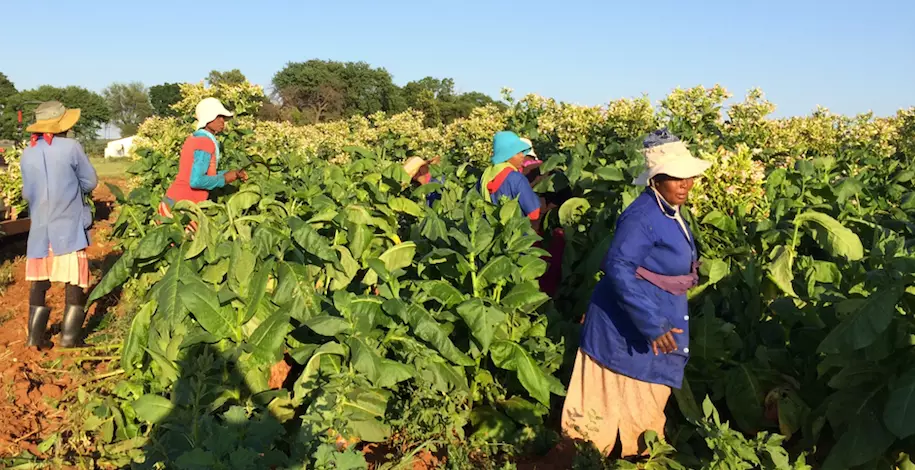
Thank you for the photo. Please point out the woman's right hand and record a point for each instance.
(666, 343)
(233, 175)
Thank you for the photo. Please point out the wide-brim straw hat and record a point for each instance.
(414, 164)
(52, 117)
(208, 109)
(665, 154)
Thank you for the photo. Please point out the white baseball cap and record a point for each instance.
(208, 109)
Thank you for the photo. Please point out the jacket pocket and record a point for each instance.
(86, 217)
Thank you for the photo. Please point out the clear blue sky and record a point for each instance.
(850, 56)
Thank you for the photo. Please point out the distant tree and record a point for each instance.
(163, 96)
(232, 77)
(129, 105)
(95, 111)
(7, 116)
(317, 88)
(437, 99)
(7, 89)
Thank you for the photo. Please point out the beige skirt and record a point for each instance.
(601, 405)
(71, 268)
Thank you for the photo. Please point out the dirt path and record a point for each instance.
(33, 383)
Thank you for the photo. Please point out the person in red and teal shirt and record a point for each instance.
(504, 177)
(197, 173)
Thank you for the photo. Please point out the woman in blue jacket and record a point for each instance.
(56, 177)
(635, 339)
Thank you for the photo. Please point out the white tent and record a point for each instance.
(119, 148)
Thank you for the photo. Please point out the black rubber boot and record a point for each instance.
(38, 326)
(71, 330)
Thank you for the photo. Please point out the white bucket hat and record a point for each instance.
(665, 154)
(209, 109)
(529, 153)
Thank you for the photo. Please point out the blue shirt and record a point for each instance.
(199, 177)
(627, 313)
(516, 186)
(434, 195)
(54, 180)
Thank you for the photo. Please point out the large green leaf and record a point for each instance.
(481, 319)
(360, 238)
(498, 268)
(402, 204)
(326, 325)
(137, 336)
(200, 299)
(243, 200)
(155, 242)
(491, 425)
(780, 270)
(686, 402)
(865, 440)
(426, 328)
(171, 307)
(381, 372)
(610, 173)
(119, 273)
(399, 256)
(832, 235)
(573, 210)
(525, 297)
(267, 340)
(152, 408)
(294, 293)
(444, 376)
(257, 290)
(899, 414)
(443, 292)
(305, 382)
(863, 327)
(745, 398)
(721, 221)
(512, 356)
(242, 265)
(311, 241)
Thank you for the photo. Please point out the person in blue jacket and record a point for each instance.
(635, 339)
(418, 170)
(504, 177)
(56, 177)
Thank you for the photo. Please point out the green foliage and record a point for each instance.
(129, 105)
(162, 97)
(439, 102)
(231, 77)
(350, 88)
(425, 327)
(95, 111)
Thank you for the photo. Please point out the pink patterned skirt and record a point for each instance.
(71, 268)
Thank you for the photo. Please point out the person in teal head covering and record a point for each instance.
(504, 177)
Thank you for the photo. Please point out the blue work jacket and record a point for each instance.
(55, 177)
(626, 313)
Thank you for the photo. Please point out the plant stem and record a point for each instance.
(101, 347)
(96, 358)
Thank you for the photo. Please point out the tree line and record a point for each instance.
(302, 93)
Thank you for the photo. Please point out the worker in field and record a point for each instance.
(635, 340)
(56, 177)
(418, 170)
(504, 177)
(199, 160)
